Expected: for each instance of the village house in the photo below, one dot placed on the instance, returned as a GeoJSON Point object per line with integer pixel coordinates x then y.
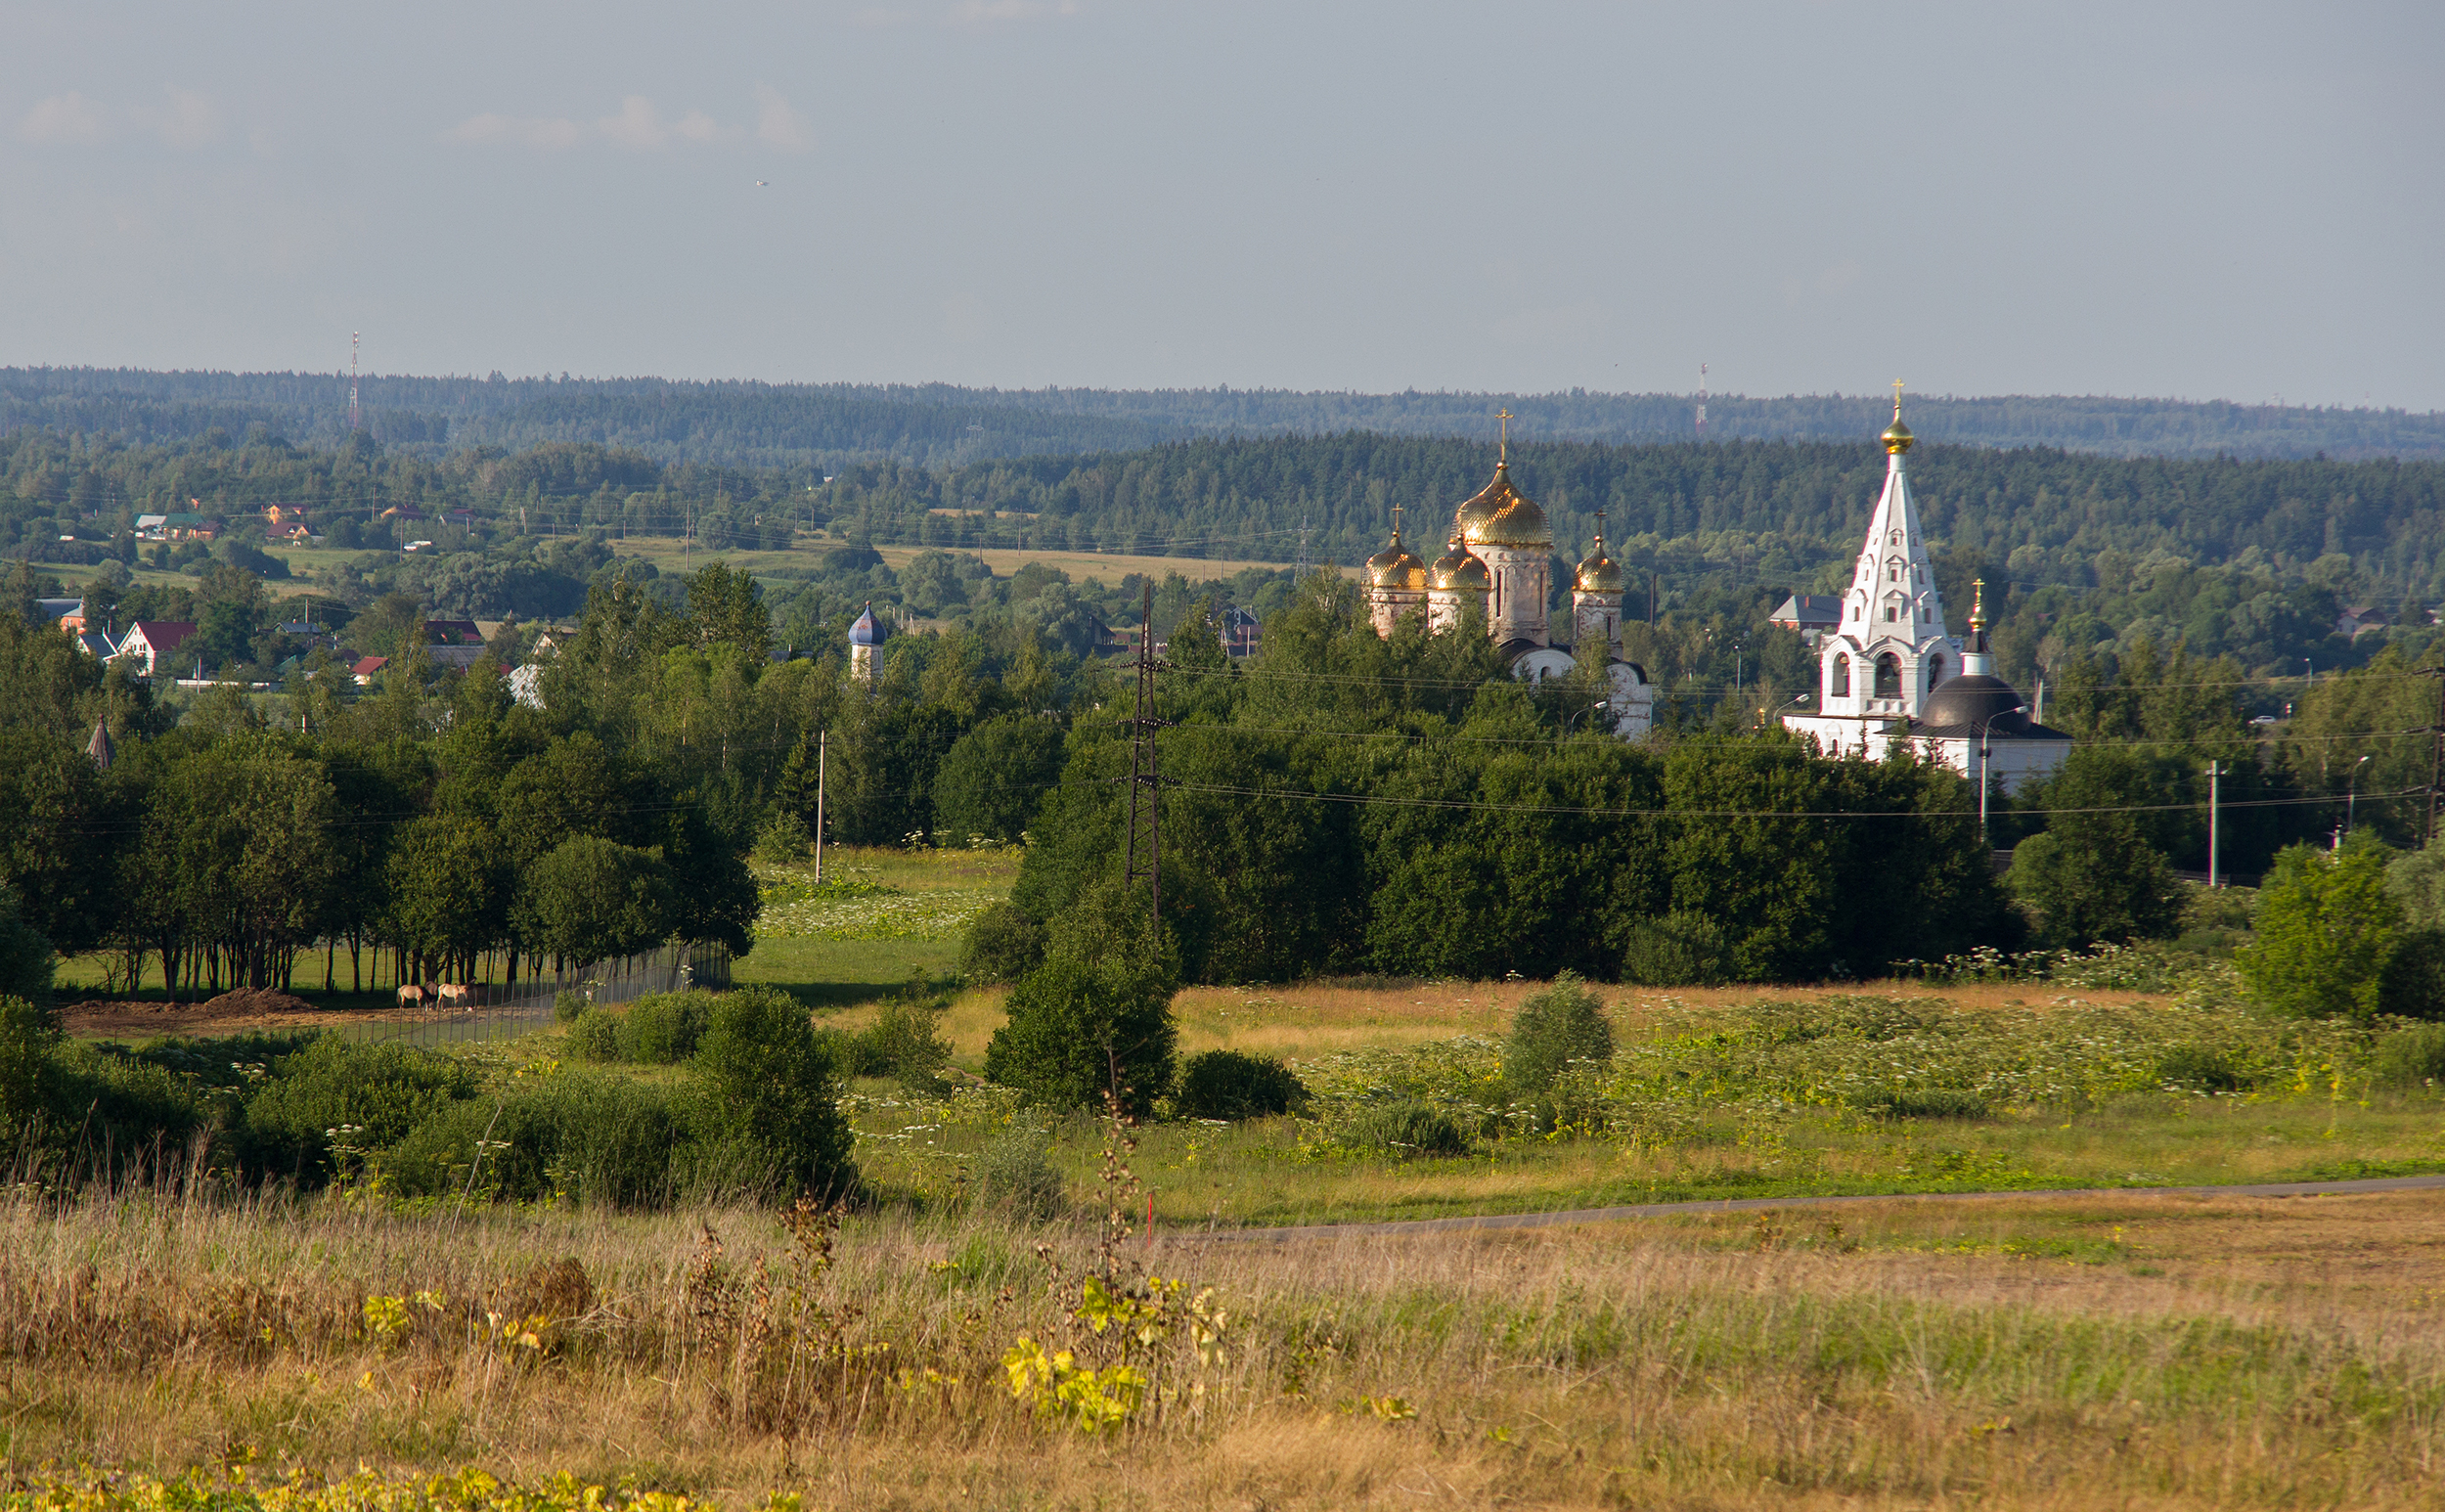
{"type": "Point", "coordinates": [148, 641]}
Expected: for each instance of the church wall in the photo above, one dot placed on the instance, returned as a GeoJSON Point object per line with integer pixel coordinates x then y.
{"type": "Point", "coordinates": [1597, 614]}
{"type": "Point", "coordinates": [1521, 584]}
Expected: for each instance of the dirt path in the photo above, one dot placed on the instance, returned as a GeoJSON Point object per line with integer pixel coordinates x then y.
{"type": "Point", "coordinates": [1493, 1221]}
{"type": "Point", "coordinates": [108, 1019]}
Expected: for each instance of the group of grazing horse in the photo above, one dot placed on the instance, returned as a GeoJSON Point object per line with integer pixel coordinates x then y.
{"type": "Point", "coordinates": [448, 994]}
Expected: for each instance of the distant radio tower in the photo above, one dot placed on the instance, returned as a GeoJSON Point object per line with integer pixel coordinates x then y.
{"type": "Point", "coordinates": [1701, 400]}
{"type": "Point", "coordinates": [352, 382]}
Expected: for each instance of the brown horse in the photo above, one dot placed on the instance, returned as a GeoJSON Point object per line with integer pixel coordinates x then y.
{"type": "Point", "coordinates": [461, 994]}
{"type": "Point", "coordinates": [415, 994]}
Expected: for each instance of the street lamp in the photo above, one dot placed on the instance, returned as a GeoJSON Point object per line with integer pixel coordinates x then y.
{"type": "Point", "coordinates": [2351, 793]}
{"type": "Point", "coordinates": [1568, 719]}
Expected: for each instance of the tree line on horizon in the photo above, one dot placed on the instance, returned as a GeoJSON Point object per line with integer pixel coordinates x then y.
{"type": "Point", "coordinates": [755, 425]}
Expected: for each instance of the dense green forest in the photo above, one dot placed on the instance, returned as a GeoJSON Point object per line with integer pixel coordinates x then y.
{"type": "Point", "coordinates": [824, 426]}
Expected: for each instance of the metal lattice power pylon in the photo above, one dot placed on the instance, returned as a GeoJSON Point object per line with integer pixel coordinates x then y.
{"type": "Point", "coordinates": [1145, 779]}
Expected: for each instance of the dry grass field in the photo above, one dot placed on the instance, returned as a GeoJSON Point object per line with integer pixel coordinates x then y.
{"type": "Point", "coordinates": [668, 554]}
{"type": "Point", "coordinates": [2137, 1352]}
{"type": "Point", "coordinates": [1311, 1018]}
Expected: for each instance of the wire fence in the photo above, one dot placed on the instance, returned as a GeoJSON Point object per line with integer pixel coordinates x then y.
{"type": "Point", "coordinates": [506, 1014]}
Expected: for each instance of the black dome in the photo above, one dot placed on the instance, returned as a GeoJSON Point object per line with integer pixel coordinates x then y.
{"type": "Point", "coordinates": [1973, 701]}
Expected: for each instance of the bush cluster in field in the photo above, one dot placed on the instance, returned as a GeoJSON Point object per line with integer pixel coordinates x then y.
{"type": "Point", "coordinates": [754, 1113]}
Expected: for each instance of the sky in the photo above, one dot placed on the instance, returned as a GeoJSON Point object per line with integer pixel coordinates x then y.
{"type": "Point", "coordinates": [2193, 201]}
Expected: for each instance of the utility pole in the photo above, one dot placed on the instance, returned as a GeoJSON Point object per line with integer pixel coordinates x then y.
{"type": "Point", "coordinates": [2215, 771]}
{"type": "Point", "coordinates": [1145, 817]}
{"type": "Point", "coordinates": [2437, 749]}
{"type": "Point", "coordinates": [1985, 780]}
{"type": "Point", "coordinates": [823, 744]}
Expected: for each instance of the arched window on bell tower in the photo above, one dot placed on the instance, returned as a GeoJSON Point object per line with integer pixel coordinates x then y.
{"type": "Point", "coordinates": [1838, 678]}
{"type": "Point", "coordinates": [1888, 676]}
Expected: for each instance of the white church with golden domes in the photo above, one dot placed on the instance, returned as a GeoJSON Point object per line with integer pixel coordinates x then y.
{"type": "Point", "coordinates": [1890, 673]}
{"type": "Point", "coordinates": [1499, 562]}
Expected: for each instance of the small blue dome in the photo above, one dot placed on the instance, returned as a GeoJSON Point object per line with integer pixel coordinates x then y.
{"type": "Point", "coordinates": [867, 630]}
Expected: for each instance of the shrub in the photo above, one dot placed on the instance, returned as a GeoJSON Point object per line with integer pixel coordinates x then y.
{"type": "Point", "coordinates": [26, 957]}
{"type": "Point", "coordinates": [762, 1116]}
{"type": "Point", "coordinates": [661, 1029]}
{"type": "Point", "coordinates": [596, 1035]}
{"type": "Point", "coordinates": [1002, 945]}
{"type": "Point", "coordinates": [601, 1140]}
{"type": "Point", "coordinates": [2412, 1057]}
{"type": "Point", "coordinates": [383, 1090]}
{"type": "Point", "coordinates": [1678, 950]}
{"type": "Point", "coordinates": [2203, 1068]}
{"type": "Point", "coordinates": [2411, 982]}
{"type": "Point", "coordinates": [904, 1041]}
{"type": "Point", "coordinates": [569, 1004]}
{"type": "Point", "coordinates": [1407, 1129]}
{"type": "Point", "coordinates": [27, 1037]}
{"type": "Point", "coordinates": [784, 839]}
{"type": "Point", "coordinates": [2325, 928]}
{"type": "Point", "coordinates": [1077, 1031]}
{"type": "Point", "coordinates": [114, 1115]}
{"type": "Point", "coordinates": [1015, 1173]}
{"type": "Point", "coordinates": [2415, 882]}
{"type": "Point", "coordinates": [1562, 1024]}
{"type": "Point", "coordinates": [1227, 1084]}
{"type": "Point", "coordinates": [1930, 1102]}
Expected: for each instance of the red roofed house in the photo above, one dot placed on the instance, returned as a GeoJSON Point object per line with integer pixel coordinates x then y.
{"type": "Point", "coordinates": [151, 639]}
{"type": "Point", "coordinates": [365, 669]}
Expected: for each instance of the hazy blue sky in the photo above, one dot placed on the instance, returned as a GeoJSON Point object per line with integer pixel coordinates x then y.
{"type": "Point", "coordinates": [2200, 200]}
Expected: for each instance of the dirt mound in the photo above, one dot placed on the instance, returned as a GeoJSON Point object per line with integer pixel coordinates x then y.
{"type": "Point", "coordinates": [254, 1003]}
{"type": "Point", "coordinates": [246, 1008]}
{"type": "Point", "coordinates": [101, 1008]}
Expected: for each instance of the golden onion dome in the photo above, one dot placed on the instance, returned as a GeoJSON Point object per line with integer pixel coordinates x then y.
{"type": "Point", "coordinates": [1499, 514]}
{"type": "Point", "coordinates": [1460, 569]}
{"type": "Point", "coordinates": [1396, 566]}
{"type": "Point", "coordinates": [1896, 438]}
{"type": "Point", "coordinates": [1598, 573]}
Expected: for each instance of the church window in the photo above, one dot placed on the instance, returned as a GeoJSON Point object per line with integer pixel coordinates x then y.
{"type": "Point", "coordinates": [1838, 685]}
{"type": "Point", "coordinates": [1935, 671]}
{"type": "Point", "coordinates": [1893, 613]}
{"type": "Point", "coordinates": [1887, 676]}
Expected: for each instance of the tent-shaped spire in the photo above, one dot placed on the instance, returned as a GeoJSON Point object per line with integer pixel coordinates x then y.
{"type": "Point", "coordinates": [1892, 587]}
{"type": "Point", "coordinates": [99, 749]}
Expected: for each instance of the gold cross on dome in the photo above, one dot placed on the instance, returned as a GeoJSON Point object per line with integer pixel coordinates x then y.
{"type": "Point", "coordinates": [1896, 398]}
{"type": "Point", "coordinates": [1505, 417]}
{"type": "Point", "coordinates": [1396, 522]}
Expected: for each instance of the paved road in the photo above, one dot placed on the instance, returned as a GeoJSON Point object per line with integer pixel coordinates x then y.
{"type": "Point", "coordinates": [2398, 1184]}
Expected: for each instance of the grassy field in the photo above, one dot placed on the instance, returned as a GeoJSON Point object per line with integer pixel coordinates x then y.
{"type": "Point", "coordinates": [2140, 1351]}
{"type": "Point", "coordinates": [941, 1350]}
{"type": "Point", "coordinates": [888, 915]}
{"type": "Point", "coordinates": [666, 554]}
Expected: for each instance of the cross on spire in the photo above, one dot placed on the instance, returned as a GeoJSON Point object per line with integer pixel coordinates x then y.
{"type": "Point", "coordinates": [1396, 522]}
{"type": "Point", "coordinates": [1505, 417]}
{"type": "Point", "coordinates": [1896, 398]}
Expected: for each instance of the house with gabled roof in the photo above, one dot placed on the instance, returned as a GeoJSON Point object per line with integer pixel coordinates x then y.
{"type": "Point", "coordinates": [148, 641]}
